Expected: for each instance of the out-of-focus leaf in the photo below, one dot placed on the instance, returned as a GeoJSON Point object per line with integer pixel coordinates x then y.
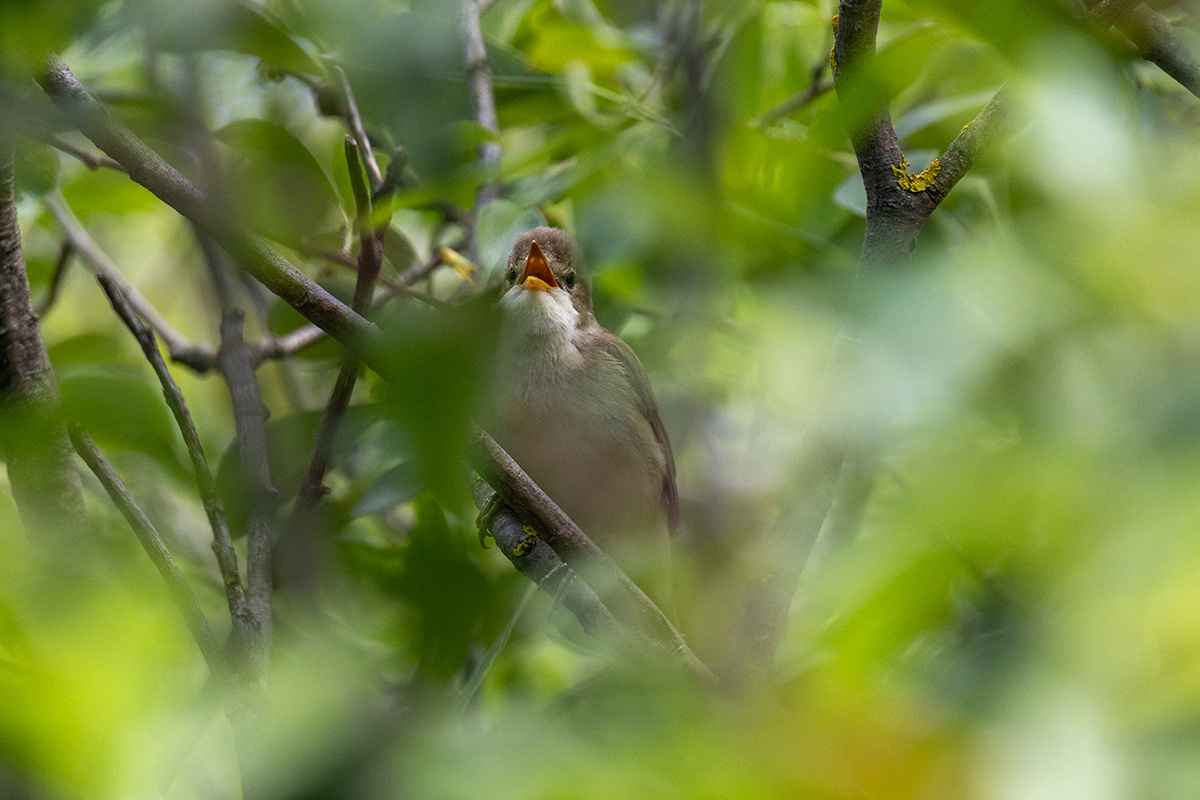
{"type": "Point", "coordinates": [500, 223]}
{"type": "Point", "coordinates": [443, 585]}
{"type": "Point", "coordinates": [36, 167]}
{"type": "Point", "coordinates": [398, 249]}
{"type": "Point", "coordinates": [32, 28]}
{"type": "Point", "coordinates": [121, 412]}
{"type": "Point", "coordinates": [398, 485]}
{"type": "Point", "coordinates": [442, 364]}
{"type": "Point", "coordinates": [94, 348]}
{"type": "Point", "coordinates": [243, 27]}
{"type": "Point", "coordinates": [279, 186]}
{"type": "Point", "coordinates": [550, 41]}
{"type": "Point", "coordinates": [106, 191]}
{"type": "Point", "coordinates": [928, 114]}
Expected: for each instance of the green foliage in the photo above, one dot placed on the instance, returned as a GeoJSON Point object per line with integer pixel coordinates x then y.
{"type": "Point", "coordinates": [1002, 601]}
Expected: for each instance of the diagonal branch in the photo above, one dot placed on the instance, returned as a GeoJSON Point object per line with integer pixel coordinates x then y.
{"type": "Point", "coordinates": [150, 170]}
{"type": "Point", "coordinates": [993, 122]}
{"type": "Point", "coordinates": [562, 534]}
{"type": "Point", "coordinates": [199, 357]}
{"type": "Point", "coordinates": [537, 560]}
{"type": "Point", "coordinates": [214, 508]}
{"type": "Point", "coordinates": [154, 546]}
{"type": "Point", "coordinates": [1156, 40]}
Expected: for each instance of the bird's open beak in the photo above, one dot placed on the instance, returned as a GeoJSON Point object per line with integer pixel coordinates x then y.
{"type": "Point", "coordinates": [537, 274]}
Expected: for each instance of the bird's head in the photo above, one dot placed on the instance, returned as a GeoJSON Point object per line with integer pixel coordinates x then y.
{"type": "Point", "coordinates": [545, 288]}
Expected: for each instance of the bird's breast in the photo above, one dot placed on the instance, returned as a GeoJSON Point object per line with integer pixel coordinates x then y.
{"type": "Point", "coordinates": [571, 422]}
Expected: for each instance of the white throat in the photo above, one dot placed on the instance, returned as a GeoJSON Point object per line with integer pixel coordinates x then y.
{"type": "Point", "coordinates": [537, 341]}
{"type": "Point", "coordinates": [548, 316]}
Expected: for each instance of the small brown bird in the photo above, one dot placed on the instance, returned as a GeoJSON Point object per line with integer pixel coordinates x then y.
{"type": "Point", "coordinates": [575, 409]}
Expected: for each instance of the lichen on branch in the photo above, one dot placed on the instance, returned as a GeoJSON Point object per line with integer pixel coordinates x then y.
{"type": "Point", "coordinates": [919, 182]}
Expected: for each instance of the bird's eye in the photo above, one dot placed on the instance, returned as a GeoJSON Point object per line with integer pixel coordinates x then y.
{"type": "Point", "coordinates": [511, 275]}
{"type": "Point", "coordinates": [569, 280]}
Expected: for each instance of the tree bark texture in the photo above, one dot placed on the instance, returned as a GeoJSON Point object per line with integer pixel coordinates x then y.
{"type": "Point", "coordinates": [33, 438]}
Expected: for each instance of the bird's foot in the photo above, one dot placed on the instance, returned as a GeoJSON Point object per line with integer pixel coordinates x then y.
{"type": "Point", "coordinates": [483, 520]}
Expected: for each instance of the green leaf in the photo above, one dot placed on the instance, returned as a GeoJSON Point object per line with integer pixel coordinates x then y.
{"type": "Point", "coordinates": [106, 191]}
{"type": "Point", "coordinates": [500, 223]}
{"type": "Point", "coordinates": [36, 167]}
{"type": "Point", "coordinates": [280, 189]}
{"type": "Point", "coordinates": [122, 412]}
{"type": "Point", "coordinates": [242, 27]}
{"type": "Point", "coordinates": [397, 486]}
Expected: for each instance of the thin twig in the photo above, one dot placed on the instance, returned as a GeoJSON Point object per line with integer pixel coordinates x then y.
{"type": "Point", "coordinates": [60, 269]}
{"type": "Point", "coordinates": [214, 508]}
{"type": "Point", "coordinates": [818, 86]}
{"type": "Point", "coordinates": [354, 121]}
{"type": "Point", "coordinates": [475, 679]}
{"type": "Point", "coordinates": [273, 348]}
{"type": "Point", "coordinates": [198, 356]}
{"type": "Point", "coordinates": [154, 546]}
{"type": "Point", "coordinates": [90, 160]}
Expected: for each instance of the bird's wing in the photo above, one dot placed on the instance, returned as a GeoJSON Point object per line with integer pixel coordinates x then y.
{"type": "Point", "coordinates": [628, 360]}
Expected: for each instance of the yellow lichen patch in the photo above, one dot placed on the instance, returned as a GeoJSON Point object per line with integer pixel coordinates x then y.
{"type": "Point", "coordinates": [916, 183]}
{"type": "Point", "coordinates": [525, 545]}
{"type": "Point", "coordinates": [833, 52]}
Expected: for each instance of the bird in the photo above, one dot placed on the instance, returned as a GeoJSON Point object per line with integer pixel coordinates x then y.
{"type": "Point", "coordinates": [574, 407]}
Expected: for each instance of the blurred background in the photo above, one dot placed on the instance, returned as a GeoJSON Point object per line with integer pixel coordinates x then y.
{"type": "Point", "coordinates": [1004, 601]}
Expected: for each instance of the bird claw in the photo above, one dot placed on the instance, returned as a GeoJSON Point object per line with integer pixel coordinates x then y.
{"type": "Point", "coordinates": [483, 520]}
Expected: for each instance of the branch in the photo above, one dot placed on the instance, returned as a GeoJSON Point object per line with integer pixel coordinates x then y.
{"type": "Point", "coordinates": [214, 508]}
{"type": "Point", "coordinates": [153, 544]}
{"type": "Point", "coordinates": [200, 357]}
{"type": "Point", "coordinates": [273, 348]}
{"type": "Point", "coordinates": [149, 170]}
{"type": "Point", "coordinates": [90, 160]}
{"type": "Point", "coordinates": [537, 560]}
{"type": "Point", "coordinates": [817, 86]}
{"type": "Point", "coordinates": [354, 121]}
{"type": "Point", "coordinates": [993, 122]}
{"type": "Point", "coordinates": [235, 359]}
{"type": "Point", "coordinates": [60, 269]}
{"type": "Point", "coordinates": [483, 103]}
{"type": "Point", "coordinates": [1156, 40]}
{"type": "Point", "coordinates": [564, 536]}
{"type": "Point", "coordinates": [42, 473]}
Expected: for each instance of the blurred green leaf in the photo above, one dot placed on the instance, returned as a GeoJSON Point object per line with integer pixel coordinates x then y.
{"type": "Point", "coordinates": [279, 186]}
{"type": "Point", "coordinates": [36, 167]}
{"type": "Point", "coordinates": [237, 25]}
{"type": "Point", "coordinates": [124, 413]}
{"type": "Point", "coordinates": [393, 488]}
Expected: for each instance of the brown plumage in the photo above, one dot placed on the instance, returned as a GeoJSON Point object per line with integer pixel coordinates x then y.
{"type": "Point", "coordinates": [575, 409]}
